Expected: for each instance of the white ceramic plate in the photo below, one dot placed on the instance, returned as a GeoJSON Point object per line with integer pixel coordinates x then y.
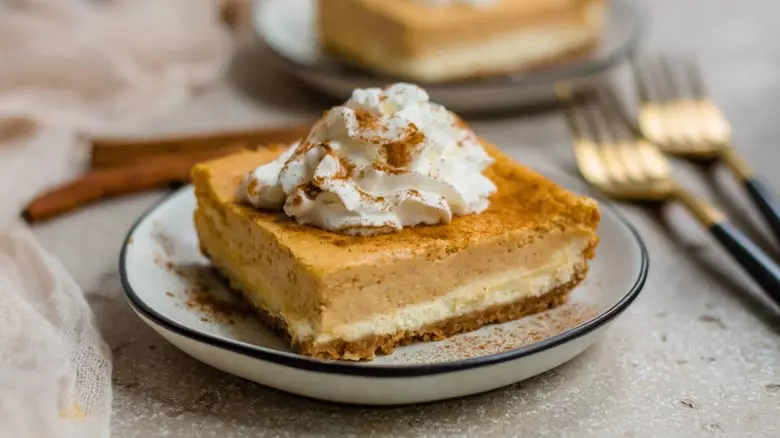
{"type": "Point", "coordinates": [174, 290]}
{"type": "Point", "coordinates": [288, 28]}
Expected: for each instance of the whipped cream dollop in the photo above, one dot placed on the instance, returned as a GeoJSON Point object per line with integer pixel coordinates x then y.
{"type": "Point", "coordinates": [387, 159]}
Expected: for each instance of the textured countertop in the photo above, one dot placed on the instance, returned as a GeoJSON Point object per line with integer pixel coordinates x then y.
{"type": "Point", "coordinates": [697, 354]}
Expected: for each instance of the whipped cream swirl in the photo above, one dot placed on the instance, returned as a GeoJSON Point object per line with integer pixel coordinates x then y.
{"type": "Point", "coordinates": [385, 160]}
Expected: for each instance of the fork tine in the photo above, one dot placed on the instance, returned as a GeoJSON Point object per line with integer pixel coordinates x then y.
{"type": "Point", "coordinates": [652, 117]}
{"type": "Point", "coordinates": [647, 73]}
{"type": "Point", "coordinates": [694, 79]}
{"type": "Point", "coordinates": [608, 139]}
{"type": "Point", "coordinates": [608, 152]}
{"type": "Point", "coordinates": [570, 102]}
{"type": "Point", "coordinates": [676, 129]}
{"type": "Point", "coordinates": [688, 129]}
{"type": "Point", "coordinates": [679, 118]}
{"type": "Point", "coordinates": [570, 117]}
{"type": "Point", "coordinates": [671, 88]}
{"type": "Point", "coordinates": [683, 76]}
{"type": "Point", "coordinates": [595, 124]}
{"type": "Point", "coordinates": [585, 150]}
{"type": "Point", "coordinates": [620, 120]}
{"type": "Point", "coordinates": [641, 82]}
{"type": "Point", "coordinates": [653, 161]}
{"type": "Point", "coordinates": [625, 150]}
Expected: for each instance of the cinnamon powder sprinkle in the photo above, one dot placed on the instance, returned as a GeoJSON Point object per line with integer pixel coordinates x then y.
{"type": "Point", "coordinates": [347, 166]}
{"type": "Point", "coordinates": [540, 327]}
{"type": "Point", "coordinates": [296, 201]}
{"type": "Point", "coordinates": [326, 146]}
{"type": "Point", "coordinates": [311, 190]}
{"type": "Point", "coordinates": [216, 309]}
{"type": "Point", "coordinates": [399, 153]}
{"type": "Point", "coordinates": [305, 147]}
{"type": "Point", "coordinates": [385, 228]}
{"type": "Point", "coordinates": [202, 298]}
{"type": "Point", "coordinates": [251, 188]}
{"type": "Point", "coordinates": [164, 263]}
{"type": "Point", "coordinates": [366, 120]}
{"type": "Point", "coordinates": [382, 167]}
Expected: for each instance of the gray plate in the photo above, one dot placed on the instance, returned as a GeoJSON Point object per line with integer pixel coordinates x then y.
{"type": "Point", "coordinates": [288, 28]}
{"type": "Point", "coordinates": [173, 288]}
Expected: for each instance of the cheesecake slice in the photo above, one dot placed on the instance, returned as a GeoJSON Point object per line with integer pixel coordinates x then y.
{"type": "Point", "coordinates": [347, 297]}
{"type": "Point", "coordinates": [431, 41]}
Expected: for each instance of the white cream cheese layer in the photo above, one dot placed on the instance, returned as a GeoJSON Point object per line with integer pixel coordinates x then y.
{"type": "Point", "coordinates": [503, 288]}
{"type": "Point", "coordinates": [511, 51]}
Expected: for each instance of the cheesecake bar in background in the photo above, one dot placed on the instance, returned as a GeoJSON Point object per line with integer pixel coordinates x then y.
{"type": "Point", "coordinates": [441, 40]}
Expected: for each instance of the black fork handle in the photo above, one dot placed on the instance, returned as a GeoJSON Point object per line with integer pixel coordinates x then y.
{"type": "Point", "coordinates": [752, 258]}
{"type": "Point", "coordinates": [759, 192]}
{"type": "Point", "coordinates": [766, 203]}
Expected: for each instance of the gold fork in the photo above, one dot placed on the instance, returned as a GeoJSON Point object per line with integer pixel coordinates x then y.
{"type": "Point", "coordinates": [676, 114]}
{"type": "Point", "coordinates": [615, 159]}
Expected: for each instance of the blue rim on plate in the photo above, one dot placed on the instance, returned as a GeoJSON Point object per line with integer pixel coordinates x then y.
{"type": "Point", "coordinates": [622, 9]}
{"type": "Point", "coordinates": [358, 368]}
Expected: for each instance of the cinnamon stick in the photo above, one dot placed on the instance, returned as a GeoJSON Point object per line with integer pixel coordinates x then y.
{"type": "Point", "coordinates": [157, 172]}
{"type": "Point", "coordinates": [111, 152]}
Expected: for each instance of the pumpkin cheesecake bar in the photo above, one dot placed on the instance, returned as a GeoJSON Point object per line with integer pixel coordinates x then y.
{"type": "Point", "coordinates": [440, 40]}
{"type": "Point", "coordinates": [347, 278]}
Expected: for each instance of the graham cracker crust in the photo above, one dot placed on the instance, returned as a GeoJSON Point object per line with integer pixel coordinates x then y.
{"type": "Point", "coordinates": [366, 348]}
{"type": "Point", "coordinates": [559, 60]}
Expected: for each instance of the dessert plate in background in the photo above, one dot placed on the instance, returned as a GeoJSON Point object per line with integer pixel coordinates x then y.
{"type": "Point", "coordinates": [173, 288]}
{"type": "Point", "coordinates": [288, 28]}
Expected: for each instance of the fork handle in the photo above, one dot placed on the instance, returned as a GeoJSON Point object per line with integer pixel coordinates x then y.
{"type": "Point", "coordinates": [752, 258]}
{"type": "Point", "coordinates": [758, 191]}
{"type": "Point", "coordinates": [766, 203]}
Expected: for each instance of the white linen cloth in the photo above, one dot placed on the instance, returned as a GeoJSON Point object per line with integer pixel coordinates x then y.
{"type": "Point", "coordinates": [69, 68]}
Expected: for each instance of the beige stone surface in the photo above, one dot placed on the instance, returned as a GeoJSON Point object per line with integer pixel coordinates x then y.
{"type": "Point", "coordinates": [698, 354]}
